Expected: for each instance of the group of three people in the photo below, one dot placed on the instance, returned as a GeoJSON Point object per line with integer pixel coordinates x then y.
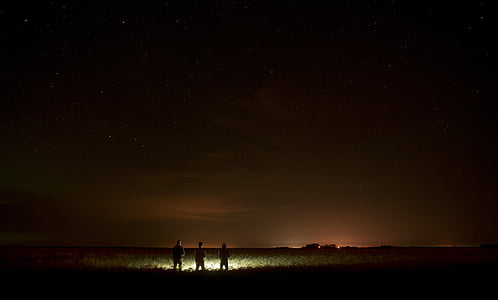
{"type": "Point", "coordinates": [200, 255]}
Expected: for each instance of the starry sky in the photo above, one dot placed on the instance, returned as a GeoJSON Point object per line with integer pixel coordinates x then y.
{"type": "Point", "coordinates": [255, 124]}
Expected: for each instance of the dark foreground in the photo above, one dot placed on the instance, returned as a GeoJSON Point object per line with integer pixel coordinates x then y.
{"type": "Point", "coordinates": [376, 280]}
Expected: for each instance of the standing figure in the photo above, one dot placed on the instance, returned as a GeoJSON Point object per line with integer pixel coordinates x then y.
{"type": "Point", "coordinates": [200, 254]}
{"type": "Point", "coordinates": [223, 254]}
{"type": "Point", "coordinates": [178, 254]}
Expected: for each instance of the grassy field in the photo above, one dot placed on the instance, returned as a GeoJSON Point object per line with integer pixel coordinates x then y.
{"type": "Point", "coordinates": [400, 272]}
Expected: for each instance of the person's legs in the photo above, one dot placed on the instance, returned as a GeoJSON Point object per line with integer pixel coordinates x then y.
{"type": "Point", "coordinates": [177, 262]}
{"type": "Point", "coordinates": [224, 263]}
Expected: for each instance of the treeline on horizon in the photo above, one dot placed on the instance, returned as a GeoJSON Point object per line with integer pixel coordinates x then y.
{"type": "Point", "coordinates": [308, 246]}
{"type": "Point", "coordinates": [334, 246]}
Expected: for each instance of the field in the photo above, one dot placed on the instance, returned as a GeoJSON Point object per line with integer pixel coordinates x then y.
{"type": "Point", "coordinates": [350, 272]}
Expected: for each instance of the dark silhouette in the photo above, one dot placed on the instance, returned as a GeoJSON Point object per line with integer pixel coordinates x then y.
{"type": "Point", "coordinates": [489, 246]}
{"type": "Point", "coordinates": [223, 254]}
{"type": "Point", "coordinates": [312, 246]}
{"type": "Point", "coordinates": [200, 254]}
{"type": "Point", "coordinates": [178, 254]}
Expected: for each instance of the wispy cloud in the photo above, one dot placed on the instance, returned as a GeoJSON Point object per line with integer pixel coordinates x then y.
{"type": "Point", "coordinates": [199, 208]}
{"type": "Point", "coordinates": [212, 210]}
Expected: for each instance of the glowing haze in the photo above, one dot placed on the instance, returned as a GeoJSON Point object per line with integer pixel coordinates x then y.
{"type": "Point", "coordinates": [256, 126]}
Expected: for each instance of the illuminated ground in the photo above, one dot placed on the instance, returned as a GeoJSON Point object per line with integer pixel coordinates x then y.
{"type": "Point", "coordinates": [72, 272]}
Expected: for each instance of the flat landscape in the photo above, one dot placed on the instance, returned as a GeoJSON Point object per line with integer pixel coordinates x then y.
{"type": "Point", "coordinates": [353, 272]}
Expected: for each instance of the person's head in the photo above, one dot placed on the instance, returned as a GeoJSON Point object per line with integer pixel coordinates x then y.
{"type": "Point", "coordinates": [200, 244]}
{"type": "Point", "coordinates": [178, 242]}
{"type": "Point", "coordinates": [223, 245]}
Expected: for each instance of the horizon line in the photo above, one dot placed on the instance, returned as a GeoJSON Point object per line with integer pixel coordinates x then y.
{"type": "Point", "coordinates": [326, 246]}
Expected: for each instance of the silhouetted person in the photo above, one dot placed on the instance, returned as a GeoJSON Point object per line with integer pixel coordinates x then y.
{"type": "Point", "coordinates": [223, 254]}
{"type": "Point", "coordinates": [200, 254]}
{"type": "Point", "coordinates": [178, 254]}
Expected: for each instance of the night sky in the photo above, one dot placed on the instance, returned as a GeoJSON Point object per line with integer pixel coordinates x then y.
{"type": "Point", "coordinates": [271, 124]}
